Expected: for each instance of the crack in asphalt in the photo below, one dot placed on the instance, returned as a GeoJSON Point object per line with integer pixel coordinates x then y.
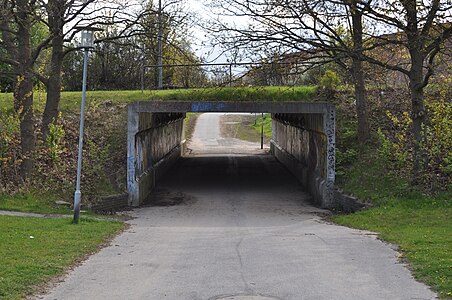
{"type": "Point", "coordinates": [248, 289]}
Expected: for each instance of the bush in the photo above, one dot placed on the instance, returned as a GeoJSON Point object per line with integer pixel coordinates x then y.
{"type": "Point", "coordinates": [329, 81]}
{"type": "Point", "coordinates": [437, 145]}
{"type": "Point", "coordinates": [10, 157]}
{"type": "Point", "coordinates": [396, 146]}
{"type": "Point", "coordinates": [54, 140]}
{"type": "Point", "coordinates": [104, 154]}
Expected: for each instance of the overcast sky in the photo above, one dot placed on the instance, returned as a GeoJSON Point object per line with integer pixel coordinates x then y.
{"type": "Point", "coordinates": [209, 54]}
{"type": "Point", "coordinates": [205, 51]}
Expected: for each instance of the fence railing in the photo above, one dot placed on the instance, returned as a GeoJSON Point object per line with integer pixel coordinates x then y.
{"type": "Point", "coordinates": [198, 75]}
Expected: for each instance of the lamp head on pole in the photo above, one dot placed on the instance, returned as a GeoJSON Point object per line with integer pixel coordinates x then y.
{"type": "Point", "coordinates": [87, 36]}
{"type": "Point", "coordinates": [87, 39]}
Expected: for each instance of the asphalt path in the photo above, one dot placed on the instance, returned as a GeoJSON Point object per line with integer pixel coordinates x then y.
{"type": "Point", "coordinates": [226, 225]}
{"type": "Point", "coordinates": [207, 139]}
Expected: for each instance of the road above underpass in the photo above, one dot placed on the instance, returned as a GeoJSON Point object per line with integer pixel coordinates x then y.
{"type": "Point", "coordinates": [229, 222]}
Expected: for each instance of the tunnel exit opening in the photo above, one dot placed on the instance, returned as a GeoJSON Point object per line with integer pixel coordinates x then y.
{"type": "Point", "coordinates": [303, 140]}
{"type": "Point", "coordinates": [227, 134]}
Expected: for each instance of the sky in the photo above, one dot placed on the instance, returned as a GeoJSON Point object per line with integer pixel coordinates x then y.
{"type": "Point", "coordinates": [205, 51]}
{"type": "Point", "coordinates": [199, 35]}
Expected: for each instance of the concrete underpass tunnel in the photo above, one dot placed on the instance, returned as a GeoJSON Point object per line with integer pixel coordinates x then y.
{"type": "Point", "coordinates": [303, 140]}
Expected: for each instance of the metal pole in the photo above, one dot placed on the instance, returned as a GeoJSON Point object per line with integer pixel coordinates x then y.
{"type": "Point", "coordinates": [78, 194]}
{"type": "Point", "coordinates": [262, 132]}
{"type": "Point", "coordinates": [142, 80]}
{"type": "Point", "coordinates": [160, 50]}
{"type": "Point", "coordinates": [230, 75]}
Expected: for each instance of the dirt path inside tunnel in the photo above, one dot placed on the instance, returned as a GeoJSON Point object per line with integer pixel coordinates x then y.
{"type": "Point", "coordinates": [230, 222]}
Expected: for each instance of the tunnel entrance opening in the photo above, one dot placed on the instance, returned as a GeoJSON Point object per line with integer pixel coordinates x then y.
{"type": "Point", "coordinates": [226, 134]}
{"type": "Point", "coordinates": [303, 140]}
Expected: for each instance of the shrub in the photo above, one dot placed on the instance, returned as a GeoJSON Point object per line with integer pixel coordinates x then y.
{"type": "Point", "coordinates": [395, 143]}
{"type": "Point", "coordinates": [54, 140]}
{"type": "Point", "coordinates": [329, 81]}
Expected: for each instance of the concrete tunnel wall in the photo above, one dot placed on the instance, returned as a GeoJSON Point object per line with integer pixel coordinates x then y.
{"type": "Point", "coordinates": [154, 144]}
{"type": "Point", "coordinates": [303, 140]}
{"type": "Point", "coordinates": [305, 144]}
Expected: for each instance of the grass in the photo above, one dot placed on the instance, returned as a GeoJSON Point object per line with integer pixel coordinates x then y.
{"type": "Point", "coordinates": [32, 202]}
{"type": "Point", "coordinates": [42, 203]}
{"type": "Point", "coordinates": [267, 126]}
{"type": "Point", "coordinates": [71, 100]}
{"type": "Point", "coordinates": [33, 250]}
{"type": "Point", "coordinates": [247, 127]}
{"type": "Point", "coordinates": [422, 228]}
{"type": "Point", "coordinates": [238, 126]}
{"type": "Point", "coordinates": [189, 124]}
{"type": "Point", "coordinates": [419, 224]}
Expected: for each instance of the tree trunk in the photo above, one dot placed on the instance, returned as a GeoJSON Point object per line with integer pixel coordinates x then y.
{"type": "Point", "coordinates": [53, 87]}
{"type": "Point", "coordinates": [416, 43]}
{"type": "Point", "coordinates": [24, 106]}
{"type": "Point", "coordinates": [358, 75]}
{"type": "Point", "coordinates": [23, 92]}
{"type": "Point", "coordinates": [417, 112]}
{"type": "Point", "coordinates": [361, 101]}
{"type": "Point", "coordinates": [56, 25]}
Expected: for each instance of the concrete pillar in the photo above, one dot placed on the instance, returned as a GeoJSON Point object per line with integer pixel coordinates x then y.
{"type": "Point", "coordinates": [330, 131]}
{"type": "Point", "coordinates": [132, 130]}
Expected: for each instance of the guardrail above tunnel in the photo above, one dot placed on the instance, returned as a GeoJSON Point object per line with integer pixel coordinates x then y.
{"type": "Point", "coordinates": [303, 140]}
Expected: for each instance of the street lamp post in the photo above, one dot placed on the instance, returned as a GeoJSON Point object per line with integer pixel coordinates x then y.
{"type": "Point", "coordinates": [87, 42]}
{"type": "Point", "coordinates": [160, 47]}
{"type": "Point", "coordinates": [262, 131]}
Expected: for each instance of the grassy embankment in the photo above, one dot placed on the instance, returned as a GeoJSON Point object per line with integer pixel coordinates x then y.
{"type": "Point", "coordinates": [417, 221]}
{"type": "Point", "coordinates": [189, 123]}
{"type": "Point", "coordinates": [267, 123]}
{"type": "Point", "coordinates": [34, 250]}
{"type": "Point", "coordinates": [247, 127]}
{"type": "Point", "coordinates": [71, 100]}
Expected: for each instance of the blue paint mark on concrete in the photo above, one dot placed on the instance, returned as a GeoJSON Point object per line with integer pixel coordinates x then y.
{"type": "Point", "coordinates": [131, 174]}
{"type": "Point", "coordinates": [206, 106]}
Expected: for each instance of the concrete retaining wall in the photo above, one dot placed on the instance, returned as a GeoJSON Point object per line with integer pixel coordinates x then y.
{"type": "Point", "coordinates": [154, 144]}
{"type": "Point", "coordinates": [347, 203]}
{"type": "Point", "coordinates": [110, 203]}
{"type": "Point", "coordinates": [305, 144]}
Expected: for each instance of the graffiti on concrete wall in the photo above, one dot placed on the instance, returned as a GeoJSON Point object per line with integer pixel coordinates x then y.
{"type": "Point", "coordinates": [309, 141]}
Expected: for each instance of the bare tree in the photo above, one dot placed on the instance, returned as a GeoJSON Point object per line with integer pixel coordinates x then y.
{"type": "Point", "coordinates": [65, 18]}
{"type": "Point", "coordinates": [176, 20]}
{"type": "Point", "coordinates": [329, 30]}
{"type": "Point", "coordinates": [419, 29]}
{"type": "Point", "coordinates": [17, 21]}
{"type": "Point", "coordinates": [62, 17]}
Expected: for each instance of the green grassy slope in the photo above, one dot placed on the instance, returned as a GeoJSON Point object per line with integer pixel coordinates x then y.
{"type": "Point", "coordinates": [71, 100]}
